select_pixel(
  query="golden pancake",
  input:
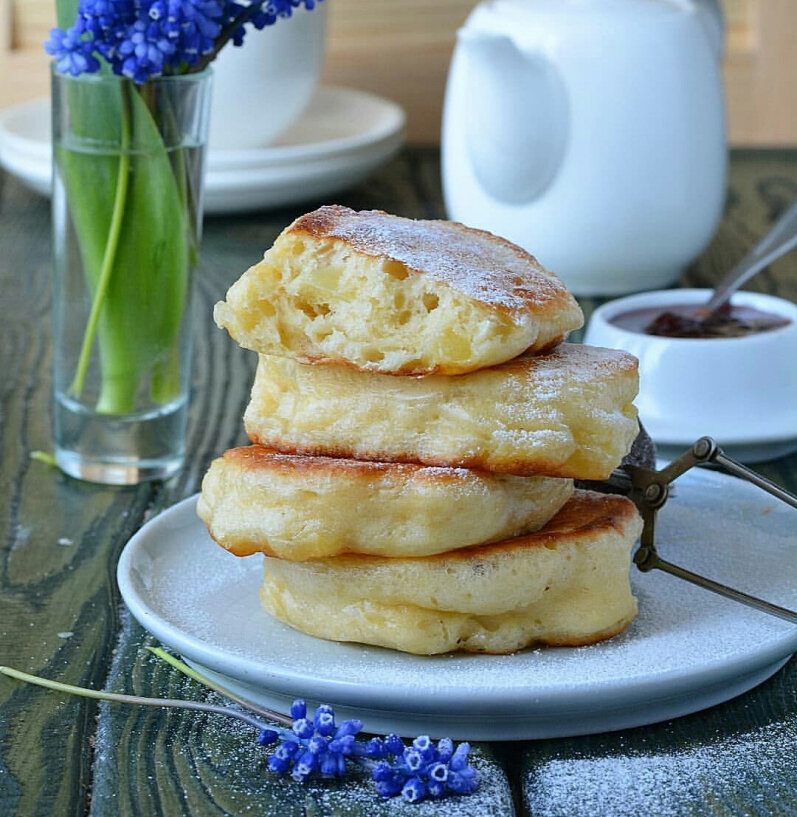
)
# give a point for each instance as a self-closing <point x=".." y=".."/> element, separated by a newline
<point x="392" y="295"/>
<point x="299" y="507"/>
<point x="566" y="584"/>
<point x="564" y="414"/>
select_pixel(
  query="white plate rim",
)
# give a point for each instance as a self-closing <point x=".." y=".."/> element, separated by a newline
<point x="38" y="149"/>
<point x="266" y="157"/>
<point x="263" y="178"/>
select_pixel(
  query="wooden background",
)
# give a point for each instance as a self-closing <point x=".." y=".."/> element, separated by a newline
<point x="401" y="49"/>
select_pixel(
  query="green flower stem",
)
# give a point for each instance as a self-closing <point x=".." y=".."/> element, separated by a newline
<point x="165" y="384"/>
<point x="165" y="381"/>
<point x="114" y="697"/>
<point x="197" y="676"/>
<point x="43" y="456"/>
<point x="109" y="256"/>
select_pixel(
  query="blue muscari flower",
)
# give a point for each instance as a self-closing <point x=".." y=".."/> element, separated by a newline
<point x="462" y="782"/>
<point x="459" y="760"/>
<point x="261" y="14"/>
<point x="189" y="26"/>
<point x="107" y="20"/>
<point x="282" y="759"/>
<point x="445" y="748"/>
<point x="422" y="770"/>
<point x="435" y="789"/>
<point x="414" y="759"/>
<point x="158" y="11"/>
<point x="143" y="39"/>
<point x="103" y="17"/>
<point x="231" y="10"/>
<point x="438" y="772"/>
<point x="303" y="728"/>
<point x="351" y="727"/>
<point x="375" y="748"/>
<point x="394" y="744"/>
<point x="324" y="720"/>
<point x="145" y="51"/>
<point x="267" y="736"/>
<point x="72" y="50"/>
<point x="382" y="771"/>
<point x="424" y="746"/>
<point x="315" y="744"/>
<point x="328" y="766"/>
<point x="304" y="766"/>
<point x="388" y="781"/>
<point x="199" y="22"/>
<point x="346" y="745"/>
<point x="413" y="790"/>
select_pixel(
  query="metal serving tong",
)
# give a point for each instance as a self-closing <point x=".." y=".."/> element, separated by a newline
<point x="649" y="489"/>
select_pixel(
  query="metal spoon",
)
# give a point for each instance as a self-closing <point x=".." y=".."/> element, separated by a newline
<point x="778" y="241"/>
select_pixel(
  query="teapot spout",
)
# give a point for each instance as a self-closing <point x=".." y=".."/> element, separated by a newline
<point x="517" y="116"/>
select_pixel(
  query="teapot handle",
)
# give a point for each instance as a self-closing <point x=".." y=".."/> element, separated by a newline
<point x="517" y="118"/>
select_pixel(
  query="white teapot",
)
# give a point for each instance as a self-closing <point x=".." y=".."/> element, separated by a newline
<point x="590" y="132"/>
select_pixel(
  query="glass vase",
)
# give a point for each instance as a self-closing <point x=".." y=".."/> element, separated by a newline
<point x="127" y="215"/>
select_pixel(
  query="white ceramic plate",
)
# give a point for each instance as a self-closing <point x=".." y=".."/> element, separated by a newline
<point x="688" y="649"/>
<point x="342" y="137"/>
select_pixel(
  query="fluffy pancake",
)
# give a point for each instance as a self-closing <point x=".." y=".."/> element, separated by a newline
<point x="564" y="414"/>
<point x="298" y="507"/>
<point x="388" y="294"/>
<point x="567" y="584"/>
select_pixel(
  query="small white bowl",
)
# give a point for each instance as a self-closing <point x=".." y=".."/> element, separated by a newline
<point x="740" y="391"/>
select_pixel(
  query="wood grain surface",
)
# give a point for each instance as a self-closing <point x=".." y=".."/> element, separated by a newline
<point x="61" y="615"/>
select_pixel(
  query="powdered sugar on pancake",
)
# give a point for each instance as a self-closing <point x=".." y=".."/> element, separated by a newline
<point x="481" y="265"/>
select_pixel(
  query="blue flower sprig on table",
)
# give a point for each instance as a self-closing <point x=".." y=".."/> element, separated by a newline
<point x="317" y="746"/>
<point x="144" y="39"/>
<point x="312" y="745"/>
<point x="422" y="769"/>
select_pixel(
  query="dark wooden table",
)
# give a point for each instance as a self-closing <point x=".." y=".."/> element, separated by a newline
<point x="61" y="615"/>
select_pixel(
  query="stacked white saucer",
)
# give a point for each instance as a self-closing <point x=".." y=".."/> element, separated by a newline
<point x="341" y="138"/>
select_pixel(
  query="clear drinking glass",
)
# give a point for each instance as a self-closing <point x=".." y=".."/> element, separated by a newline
<point x="127" y="215"/>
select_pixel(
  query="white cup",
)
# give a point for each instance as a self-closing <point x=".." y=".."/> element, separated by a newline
<point x="263" y="86"/>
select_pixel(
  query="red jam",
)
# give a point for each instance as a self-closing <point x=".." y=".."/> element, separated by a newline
<point x="691" y="321"/>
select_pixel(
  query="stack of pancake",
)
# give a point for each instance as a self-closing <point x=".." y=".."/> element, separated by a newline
<point x="417" y="425"/>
